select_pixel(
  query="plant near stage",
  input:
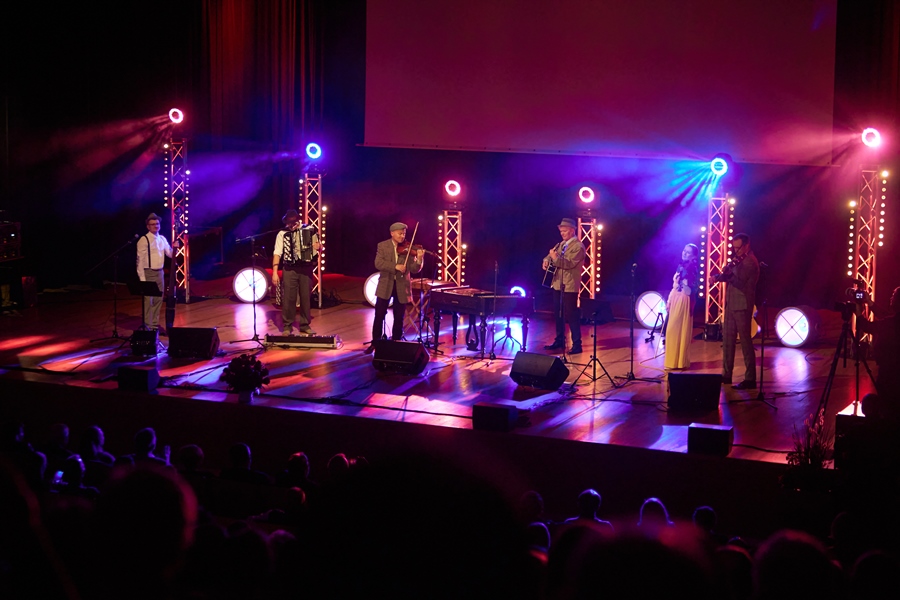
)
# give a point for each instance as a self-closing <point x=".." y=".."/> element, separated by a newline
<point x="811" y="456"/>
<point x="245" y="373"/>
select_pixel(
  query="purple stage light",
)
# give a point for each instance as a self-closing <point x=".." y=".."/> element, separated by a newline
<point x="313" y="150"/>
<point x="871" y="137"/>
<point x="452" y="188"/>
<point x="586" y="195"/>
<point x="719" y="166"/>
<point x="176" y="116"/>
<point x="516" y="289"/>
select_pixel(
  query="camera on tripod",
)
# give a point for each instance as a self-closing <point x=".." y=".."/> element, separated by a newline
<point x="859" y="296"/>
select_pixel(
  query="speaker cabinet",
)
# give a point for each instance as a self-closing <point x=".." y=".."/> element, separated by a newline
<point x="538" y="370"/>
<point x="715" y="440"/>
<point x="138" y="379"/>
<point x="144" y="342"/>
<point x="694" y="392"/>
<point x="193" y="342"/>
<point x="408" y="358"/>
<point x="488" y="416"/>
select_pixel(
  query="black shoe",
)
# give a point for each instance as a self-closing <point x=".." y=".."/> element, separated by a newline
<point x="726" y="381"/>
<point x="576" y="349"/>
<point x="370" y="348"/>
<point x="555" y="346"/>
<point x="745" y="385"/>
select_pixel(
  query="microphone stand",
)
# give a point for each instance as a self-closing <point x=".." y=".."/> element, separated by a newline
<point x="115" y="256"/>
<point x="252" y="239"/>
<point x="630" y="375"/>
<point x="431" y="339"/>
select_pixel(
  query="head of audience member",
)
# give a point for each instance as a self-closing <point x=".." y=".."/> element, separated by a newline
<point x="92" y="441"/>
<point x="145" y="442"/>
<point x="588" y="504"/>
<point x="338" y="467"/>
<point x="874" y="575"/>
<point x="531" y="507"/>
<point x="12" y="435"/>
<point x="538" y="536"/>
<point x="240" y="456"/>
<point x="73" y="471"/>
<point x="190" y="457"/>
<point x="298" y="465"/>
<point x="143" y="523"/>
<point x="734" y="572"/>
<point x="793" y="564"/>
<point x="59" y="436"/>
<point x="653" y="516"/>
<point x="704" y="517"/>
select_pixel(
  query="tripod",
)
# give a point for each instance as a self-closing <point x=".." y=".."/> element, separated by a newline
<point x="594" y="361"/>
<point x="630" y="375"/>
<point x="844" y="347"/>
<point x="115" y="256"/>
<point x="252" y="239"/>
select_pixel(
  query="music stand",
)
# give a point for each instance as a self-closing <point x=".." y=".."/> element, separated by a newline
<point x="115" y="258"/>
<point x="252" y="239"/>
<point x="594" y="360"/>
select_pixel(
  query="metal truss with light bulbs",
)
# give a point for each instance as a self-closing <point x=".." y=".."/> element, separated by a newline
<point x="313" y="213"/>
<point x="451" y="249"/>
<point x="867" y="218"/>
<point x="177" y="191"/>
<point x="715" y="254"/>
<point x="589" y="233"/>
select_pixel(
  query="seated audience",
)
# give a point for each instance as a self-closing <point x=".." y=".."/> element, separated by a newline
<point x="144" y="445"/>
<point x="588" y="505"/>
<point x="240" y="470"/>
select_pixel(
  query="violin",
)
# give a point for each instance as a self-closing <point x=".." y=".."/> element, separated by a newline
<point x="407" y="247"/>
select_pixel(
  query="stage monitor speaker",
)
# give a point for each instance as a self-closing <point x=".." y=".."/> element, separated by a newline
<point x="488" y="416"/>
<point x="538" y="370"/>
<point x="715" y="440"/>
<point x="694" y="392"/>
<point x="193" y="342"/>
<point x="144" y="342"/>
<point x="408" y="358"/>
<point x="139" y="379"/>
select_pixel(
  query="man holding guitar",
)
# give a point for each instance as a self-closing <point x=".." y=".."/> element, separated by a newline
<point x="152" y="250"/>
<point x="565" y="261"/>
<point x="740" y="298"/>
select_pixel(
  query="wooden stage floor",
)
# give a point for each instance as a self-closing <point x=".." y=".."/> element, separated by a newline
<point x="51" y="343"/>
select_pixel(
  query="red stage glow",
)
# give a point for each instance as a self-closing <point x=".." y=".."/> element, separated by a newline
<point x="21" y="342"/>
<point x="871" y="137"/>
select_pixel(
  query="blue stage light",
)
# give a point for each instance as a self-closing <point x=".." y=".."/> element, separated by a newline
<point x="719" y="166"/>
<point x="518" y="290"/>
<point x="313" y="150"/>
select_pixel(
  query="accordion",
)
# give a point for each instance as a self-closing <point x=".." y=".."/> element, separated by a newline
<point x="298" y="246"/>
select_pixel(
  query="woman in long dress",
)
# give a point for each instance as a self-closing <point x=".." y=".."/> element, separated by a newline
<point x="680" y="308"/>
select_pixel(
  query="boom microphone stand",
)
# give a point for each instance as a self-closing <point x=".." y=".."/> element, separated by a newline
<point x="115" y="256"/>
<point x="630" y="375"/>
<point x="252" y="239"/>
<point x="594" y="362"/>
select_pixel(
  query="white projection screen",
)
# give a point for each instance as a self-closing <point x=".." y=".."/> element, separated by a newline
<point x="645" y="78"/>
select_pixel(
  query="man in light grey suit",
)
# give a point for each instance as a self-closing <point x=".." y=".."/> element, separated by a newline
<point x="393" y="282"/>
<point x="740" y="300"/>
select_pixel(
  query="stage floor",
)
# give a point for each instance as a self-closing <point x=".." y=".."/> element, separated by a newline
<point x="51" y="343"/>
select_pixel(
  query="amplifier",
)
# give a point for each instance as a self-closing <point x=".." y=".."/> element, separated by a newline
<point x="325" y="342"/>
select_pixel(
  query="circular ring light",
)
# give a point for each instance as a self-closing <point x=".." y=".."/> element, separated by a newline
<point x="586" y="195"/>
<point x="250" y="282"/>
<point x="452" y="188"/>
<point x="796" y="325"/>
<point x="719" y="166"/>
<point x="313" y="150"/>
<point x="517" y="289"/>
<point x="175" y="115"/>
<point x="648" y="307"/>
<point x="369" y="289"/>
<point x="871" y="137"/>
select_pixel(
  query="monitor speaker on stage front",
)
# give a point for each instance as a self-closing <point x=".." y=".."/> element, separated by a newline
<point x="193" y="342"/>
<point x="694" y="392"/>
<point x="538" y="370"/>
<point x="139" y="379"/>
<point x="408" y="358"/>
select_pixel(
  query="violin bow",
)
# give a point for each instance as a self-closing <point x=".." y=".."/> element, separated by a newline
<point x="411" y="242"/>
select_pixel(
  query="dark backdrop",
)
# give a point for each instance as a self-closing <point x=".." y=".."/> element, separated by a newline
<point x="82" y="85"/>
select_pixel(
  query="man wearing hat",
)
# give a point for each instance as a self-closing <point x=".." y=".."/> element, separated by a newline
<point x="568" y="257"/>
<point x="289" y="246"/>
<point x="393" y="282"/>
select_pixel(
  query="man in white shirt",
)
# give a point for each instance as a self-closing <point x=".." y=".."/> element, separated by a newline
<point x="298" y="258"/>
<point x="152" y="250"/>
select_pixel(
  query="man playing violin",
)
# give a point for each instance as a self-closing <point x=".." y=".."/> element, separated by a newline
<point x="394" y="261"/>
<point x="740" y="298"/>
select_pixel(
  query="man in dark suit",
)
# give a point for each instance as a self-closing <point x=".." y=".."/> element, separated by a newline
<point x="740" y="299"/>
<point x="393" y="282"/>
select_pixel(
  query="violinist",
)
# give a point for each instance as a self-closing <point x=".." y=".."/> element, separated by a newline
<point x="394" y="261"/>
<point x="740" y="298"/>
<point x="298" y="270"/>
